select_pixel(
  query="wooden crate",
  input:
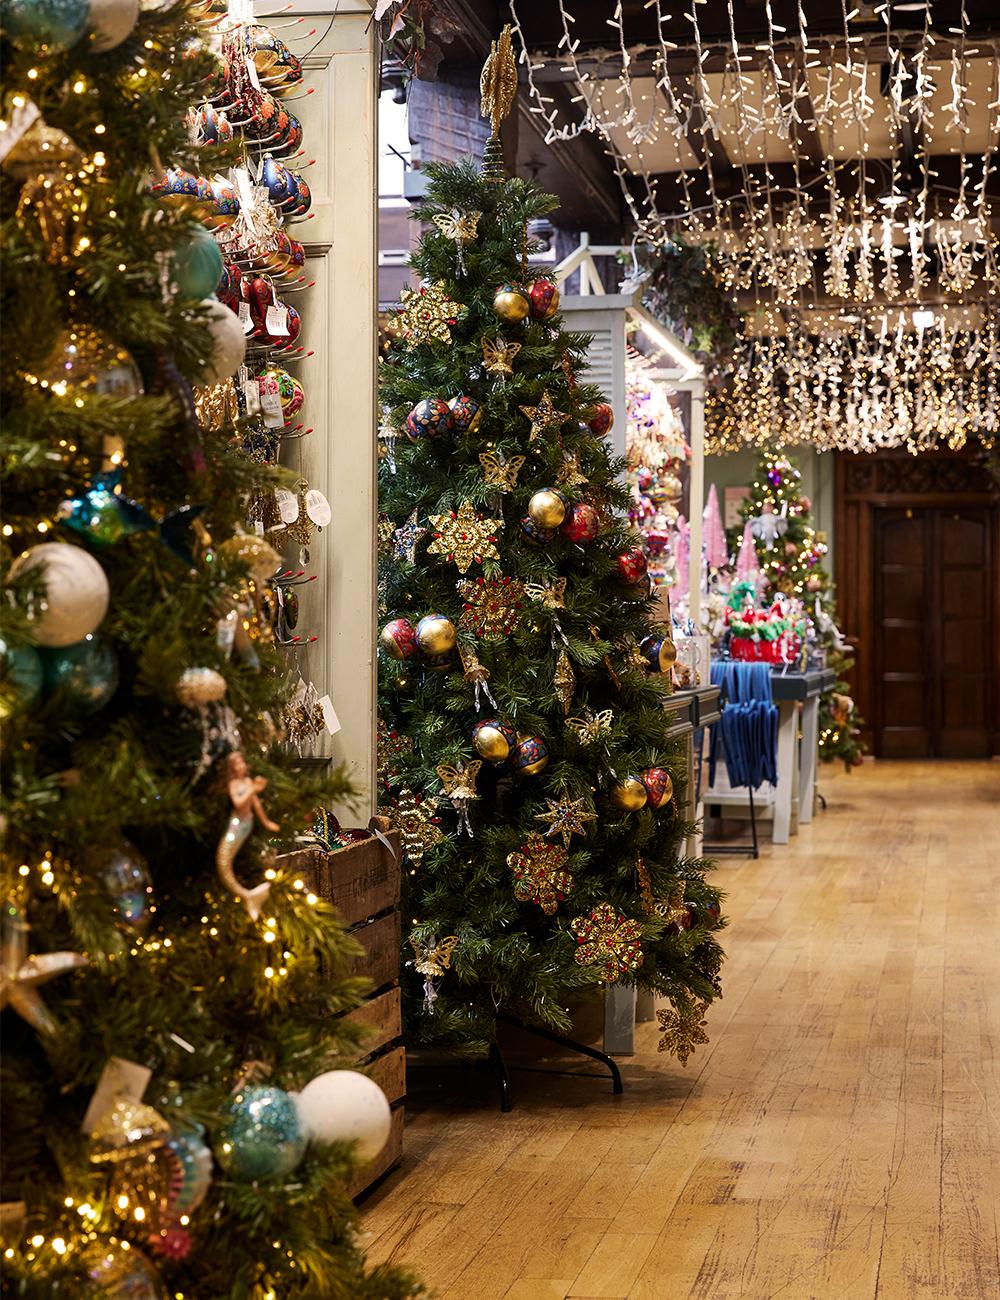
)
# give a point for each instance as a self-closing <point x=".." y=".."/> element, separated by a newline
<point x="390" y="1155"/>
<point x="382" y="1018"/>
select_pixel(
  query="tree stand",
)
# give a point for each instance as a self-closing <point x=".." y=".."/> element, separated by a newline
<point x="502" y="1071"/>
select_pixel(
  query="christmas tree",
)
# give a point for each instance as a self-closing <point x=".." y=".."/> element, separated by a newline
<point x="165" y="982"/>
<point x="791" y="556"/>
<point x="524" y="743"/>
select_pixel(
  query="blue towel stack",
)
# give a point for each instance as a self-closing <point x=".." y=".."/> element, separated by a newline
<point x="747" y="734"/>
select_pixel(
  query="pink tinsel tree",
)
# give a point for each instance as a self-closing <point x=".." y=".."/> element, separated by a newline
<point x="746" y="561"/>
<point x="716" y="551"/>
<point x="682" y="552"/>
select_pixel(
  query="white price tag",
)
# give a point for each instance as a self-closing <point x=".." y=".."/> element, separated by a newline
<point x="270" y="405"/>
<point x="330" y="719"/>
<point x="251" y="395"/>
<point x="288" y="505"/>
<point x="318" y="508"/>
<point x="120" y="1080"/>
<point x="276" y="321"/>
<point x="244" y="318"/>
<point x="243" y="186"/>
<point x="252" y="73"/>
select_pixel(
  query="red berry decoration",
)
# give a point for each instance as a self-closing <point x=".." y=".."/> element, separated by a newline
<point x="583" y="523"/>
<point x="659" y="787"/>
<point x="430" y="418"/>
<point x="399" y="639"/>
<point x="602" y="421"/>
<point x="543" y="295"/>
<point x="632" y="565"/>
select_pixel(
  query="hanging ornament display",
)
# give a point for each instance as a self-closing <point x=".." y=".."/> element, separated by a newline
<point x="543" y="295"/>
<point x="492" y="608"/>
<point x="417" y="822"/>
<point x="459" y="783"/>
<point x="548" y="508"/>
<point x="399" y="639"/>
<point x="493" y="739"/>
<point x="21" y="974"/>
<point x="430" y="418"/>
<point x="543" y="416"/>
<point x="540" y="874"/>
<point x="406" y="539"/>
<point x="461" y="228"/>
<point x="564" y="681"/>
<point x="683" y="1029"/>
<point x="609" y="942"/>
<point x="530" y="756"/>
<point x="465" y="537"/>
<point x="498" y="356"/>
<point x="501" y="474"/>
<point x="629" y="795"/>
<point x="261" y="1135"/>
<point x="436" y="635"/>
<point x="345" y="1106"/>
<point x="566" y="817"/>
<point x="659" y="786"/>
<point x="511" y="303"/>
<point x="76" y="592"/>
<point x="427" y="314"/>
<point x="432" y="959"/>
<point x="244" y="794"/>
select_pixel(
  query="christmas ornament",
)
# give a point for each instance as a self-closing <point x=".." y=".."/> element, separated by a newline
<point x="461" y="228"/>
<point x="608" y="941"/>
<point x="499" y="473"/>
<point x="427" y="314"/>
<point x="660" y="653"/>
<point x="540" y="874"/>
<point x="510" y="302"/>
<point x="399" y="639"/>
<point x="45" y="26"/>
<point x="544" y="416"/>
<point x="537" y="536"/>
<point x="431" y="959"/>
<point x="768" y="527"/>
<point x="436" y="635"/>
<point x="261" y="1135"/>
<point x="476" y="674"/>
<point x="244" y="794"/>
<point x="392" y="746"/>
<point x="465" y="537"/>
<point x="684" y="1030"/>
<point x="125" y="875"/>
<point x="551" y="595"/>
<point x="21" y="675"/>
<point x="196" y="265"/>
<point x="76" y="592"/>
<point x="430" y="418"/>
<point x="629" y="795"/>
<point x="548" y="508"/>
<point x="659" y="787"/>
<point x="568" y="473"/>
<point x="564" y="681"/>
<point x="345" y="1106"/>
<point x="417" y="823"/>
<point x="466" y="414"/>
<point x="103" y="514"/>
<point x="543" y="295"/>
<point x="529" y="756"/>
<point x="493" y="739"/>
<point x="582" y="524"/>
<point x="592" y="727"/>
<point x="566" y="818"/>
<point x="459" y="782"/>
<point x="126" y="1129"/>
<point x="498" y="356"/>
<point x="109" y="22"/>
<point x="602" y="420"/>
<point x="21" y="974"/>
<point x="492" y="606"/>
<point x="632" y="565"/>
<point x="125" y="1274"/>
<point x="227" y="342"/>
<point x="200" y="686"/>
<point x="406" y="538"/>
<point x="84" y="674"/>
<point x="498" y="90"/>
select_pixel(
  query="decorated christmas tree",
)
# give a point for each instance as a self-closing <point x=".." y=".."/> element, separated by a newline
<point x="524" y="750"/>
<point x="176" y="1115"/>
<point x="791" y="554"/>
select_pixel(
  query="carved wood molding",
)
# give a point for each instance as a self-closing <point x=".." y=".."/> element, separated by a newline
<point x="883" y="475"/>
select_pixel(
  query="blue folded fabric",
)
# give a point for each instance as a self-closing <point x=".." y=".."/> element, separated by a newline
<point x="746" y="737"/>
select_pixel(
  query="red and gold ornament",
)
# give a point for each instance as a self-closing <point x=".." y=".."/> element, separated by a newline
<point x="399" y="639"/>
<point x="540" y="874"/>
<point x="659" y="786"/>
<point x="582" y="524"/>
<point x="543" y="295"/>
<point x="466" y="414"/>
<point x="602" y="420"/>
<point x="492" y="606"/>
<point x="632" y="565"/>
<point x="529" y="756"/>
<point x="608" y="941"/>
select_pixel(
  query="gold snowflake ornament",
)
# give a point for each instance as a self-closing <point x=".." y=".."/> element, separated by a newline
<point x="610" y="942"/>
<point x="540" y="874"/>
<point x="416" y="821"/>
<point x="492" y="606"/>
<point x="465" y="537"/>
<point x="683" y="1030"/>
<point x="427" y="314"/>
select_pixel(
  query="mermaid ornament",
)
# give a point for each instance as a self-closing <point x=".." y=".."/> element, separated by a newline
<point x="244" y="793"/>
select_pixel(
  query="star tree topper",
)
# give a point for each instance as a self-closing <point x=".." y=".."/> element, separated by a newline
<point x="566" y="817"/>
<point x="465" y="536"/>
<point x="20" y="975"/>
<point x="543" y="416"/>
<point x="427" y="314"/>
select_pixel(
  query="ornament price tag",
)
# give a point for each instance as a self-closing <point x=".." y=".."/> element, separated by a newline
<point x="288" y="505"/>
<point x="251" y="395"/>
<point x="330" y="719"/>
<point x="270" y="404"/>
<point x="276" y="321"/>
<point x="243" y="315"/>
<point x="252" y="73"/>
<point x="318" y="508"/>
<point x="17" y="123"/>
<point x="244" y="186"/>
<point x="120" y="1080"/>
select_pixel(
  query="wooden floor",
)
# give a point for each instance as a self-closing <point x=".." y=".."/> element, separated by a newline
<point x="840" y="1136"/>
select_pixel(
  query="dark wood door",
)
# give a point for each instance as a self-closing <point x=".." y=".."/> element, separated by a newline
<point x="933" y="646"/>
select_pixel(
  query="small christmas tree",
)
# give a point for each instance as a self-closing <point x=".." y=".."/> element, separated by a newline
<point x="165" y="983"/>
<point x="524" y="747"/>
<point x="791" y="553"/>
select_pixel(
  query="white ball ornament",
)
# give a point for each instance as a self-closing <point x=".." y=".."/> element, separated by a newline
<point x="76" y="592"/>
<point x="199" y="686"/>
<point x="110" y="22"/>
<point x="344" y="1106"/>
<point x="229" y="343"/>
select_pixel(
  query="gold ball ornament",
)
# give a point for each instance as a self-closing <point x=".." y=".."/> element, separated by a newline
<point x="510" y="302"/>
<point x="436" y="635"/>
<point x="548" y="508"/>
<point x="529" y="756"/>
<point x="629" y="795"/>
<point x="493" y="740"/>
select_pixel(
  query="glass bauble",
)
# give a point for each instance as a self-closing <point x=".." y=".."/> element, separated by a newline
<point x="261" y="1135"/>
<point x="196" y="265"/>
<point x="86" y="361"/>
<point x="21" y="675"/>
<point x="76" y="592"/>
<point x="45" y="26"/>
<point x="85" y="674"/>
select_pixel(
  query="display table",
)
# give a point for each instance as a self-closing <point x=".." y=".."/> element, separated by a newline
<point x="792" y="800"/>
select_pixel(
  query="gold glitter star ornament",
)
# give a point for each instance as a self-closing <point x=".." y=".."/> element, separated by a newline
<point x="566" y="818"/>
<point x="543" y="416"/>
<point x="465" y="537"/>
<point x="427" y="314"/>
<point x="20" y="975"/>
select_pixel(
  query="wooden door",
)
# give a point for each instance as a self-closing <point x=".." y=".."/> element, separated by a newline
<point x="932" y="585"/>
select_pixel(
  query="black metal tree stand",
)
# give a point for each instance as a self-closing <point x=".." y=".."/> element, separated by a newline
<point x="502" y="1070"/>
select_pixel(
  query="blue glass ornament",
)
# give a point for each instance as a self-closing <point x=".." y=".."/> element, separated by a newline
<point x="47" y="26"/>
<point x="196" y="265"/>
<point x="85" y="673"/>
<point x="21" y="676"/>
<point x="261" y="1136"/>
<point x="103" y="513"/>
<point x="275" y="176"/>
<point x="125" y="877"/>
<point x="430" y="418"/>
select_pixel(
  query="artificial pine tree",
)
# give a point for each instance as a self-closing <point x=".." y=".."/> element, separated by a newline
<point x="524" y="742"/>
<point x="191" y="1171"/>
<point x="791" y="553"/>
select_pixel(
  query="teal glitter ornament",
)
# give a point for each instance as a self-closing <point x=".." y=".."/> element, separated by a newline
<point x="102" y="513"/>
<point x="45" y="26"/>
<point x="196" y="265"/>
<point x="21" y="676"/>
<point x="261" y="1136"/>
<point x="85" y="673"/>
